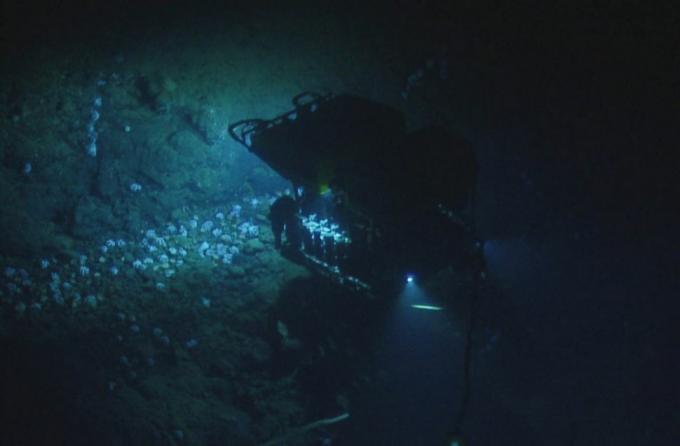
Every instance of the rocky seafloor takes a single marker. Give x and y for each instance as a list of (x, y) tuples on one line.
[(169, 325)]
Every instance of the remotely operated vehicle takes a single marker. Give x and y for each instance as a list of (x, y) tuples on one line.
[(379, 205)]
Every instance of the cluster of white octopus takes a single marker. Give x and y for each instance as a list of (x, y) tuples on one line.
[(216, 239)]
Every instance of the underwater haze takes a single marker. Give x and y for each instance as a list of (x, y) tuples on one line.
[(144, 297)]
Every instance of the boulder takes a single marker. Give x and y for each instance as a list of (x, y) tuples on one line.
[(253, 246), (236, 271)]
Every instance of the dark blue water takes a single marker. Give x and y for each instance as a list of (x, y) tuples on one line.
[(416, 396)]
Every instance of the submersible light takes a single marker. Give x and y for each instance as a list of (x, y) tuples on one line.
[(427, 307), (409, 278)]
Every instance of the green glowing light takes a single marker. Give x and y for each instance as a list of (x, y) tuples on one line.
[(426, 307)]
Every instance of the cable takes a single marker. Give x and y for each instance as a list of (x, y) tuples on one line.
[(467, 356), (478, 274)]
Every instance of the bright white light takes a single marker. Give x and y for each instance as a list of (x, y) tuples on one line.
[(409, 278)]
